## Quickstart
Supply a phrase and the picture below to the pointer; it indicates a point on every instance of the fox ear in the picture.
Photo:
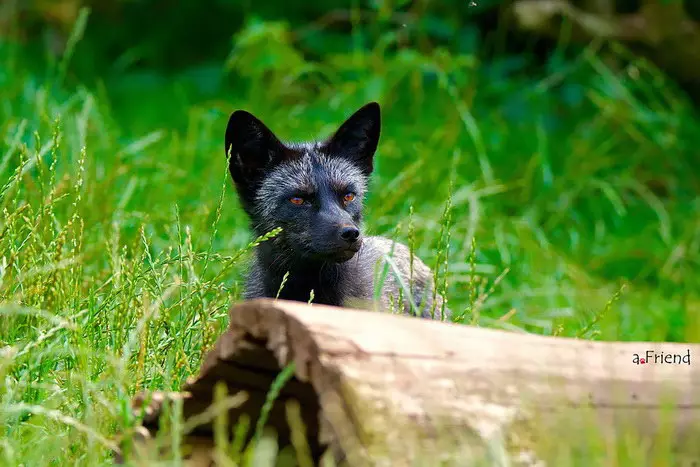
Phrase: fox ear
(357, 138)
(253, 148)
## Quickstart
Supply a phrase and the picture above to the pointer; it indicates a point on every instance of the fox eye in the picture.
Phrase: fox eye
(296, 200)
(348, 197)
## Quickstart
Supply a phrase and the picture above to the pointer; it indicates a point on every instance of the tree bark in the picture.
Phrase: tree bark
(380, 389)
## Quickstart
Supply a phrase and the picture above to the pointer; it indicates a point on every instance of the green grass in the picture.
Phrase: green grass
(122, 244)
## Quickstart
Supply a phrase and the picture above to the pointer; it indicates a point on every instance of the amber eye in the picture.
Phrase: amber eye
(348, 197)
(296, 200)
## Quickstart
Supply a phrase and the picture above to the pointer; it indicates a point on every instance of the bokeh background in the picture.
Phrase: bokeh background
(541, 155)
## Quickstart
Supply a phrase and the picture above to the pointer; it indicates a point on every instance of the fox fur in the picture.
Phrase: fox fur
(314, 192)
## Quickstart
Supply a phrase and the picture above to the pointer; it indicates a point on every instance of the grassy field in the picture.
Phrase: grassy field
(565, 201)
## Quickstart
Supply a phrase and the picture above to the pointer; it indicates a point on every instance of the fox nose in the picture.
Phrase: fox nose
(349, 233)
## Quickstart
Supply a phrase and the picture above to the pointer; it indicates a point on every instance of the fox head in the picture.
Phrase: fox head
(313, 191)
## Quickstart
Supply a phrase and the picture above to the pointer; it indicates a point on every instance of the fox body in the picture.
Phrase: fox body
(314, 192)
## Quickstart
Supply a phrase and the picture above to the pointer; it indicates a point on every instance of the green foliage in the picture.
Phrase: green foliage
(122, 246)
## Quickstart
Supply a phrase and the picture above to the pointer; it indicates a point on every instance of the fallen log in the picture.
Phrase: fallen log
(380, 389)
(661, 30)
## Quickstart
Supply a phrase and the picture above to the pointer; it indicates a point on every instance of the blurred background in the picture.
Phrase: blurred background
(544, 152)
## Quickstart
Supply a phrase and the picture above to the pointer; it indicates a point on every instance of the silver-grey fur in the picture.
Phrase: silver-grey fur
(314, 191)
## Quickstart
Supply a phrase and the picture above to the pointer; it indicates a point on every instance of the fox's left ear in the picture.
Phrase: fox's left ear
(357, 138)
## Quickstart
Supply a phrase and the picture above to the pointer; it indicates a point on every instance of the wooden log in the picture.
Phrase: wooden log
(380, 389)
(661, 30)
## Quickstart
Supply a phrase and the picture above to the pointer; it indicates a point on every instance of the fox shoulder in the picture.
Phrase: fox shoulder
(414, 273)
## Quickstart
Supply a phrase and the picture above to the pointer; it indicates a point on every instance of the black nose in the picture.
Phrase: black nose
(349, 233)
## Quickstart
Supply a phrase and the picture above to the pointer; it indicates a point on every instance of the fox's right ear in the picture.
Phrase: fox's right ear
(252, 148)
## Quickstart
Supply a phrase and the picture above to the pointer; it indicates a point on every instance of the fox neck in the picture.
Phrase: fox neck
(324, 278)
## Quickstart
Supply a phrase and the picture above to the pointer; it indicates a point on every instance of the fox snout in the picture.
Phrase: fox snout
(341, 243)
(349, 234)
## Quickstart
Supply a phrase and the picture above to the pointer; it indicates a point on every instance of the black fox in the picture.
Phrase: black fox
(314, 192)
